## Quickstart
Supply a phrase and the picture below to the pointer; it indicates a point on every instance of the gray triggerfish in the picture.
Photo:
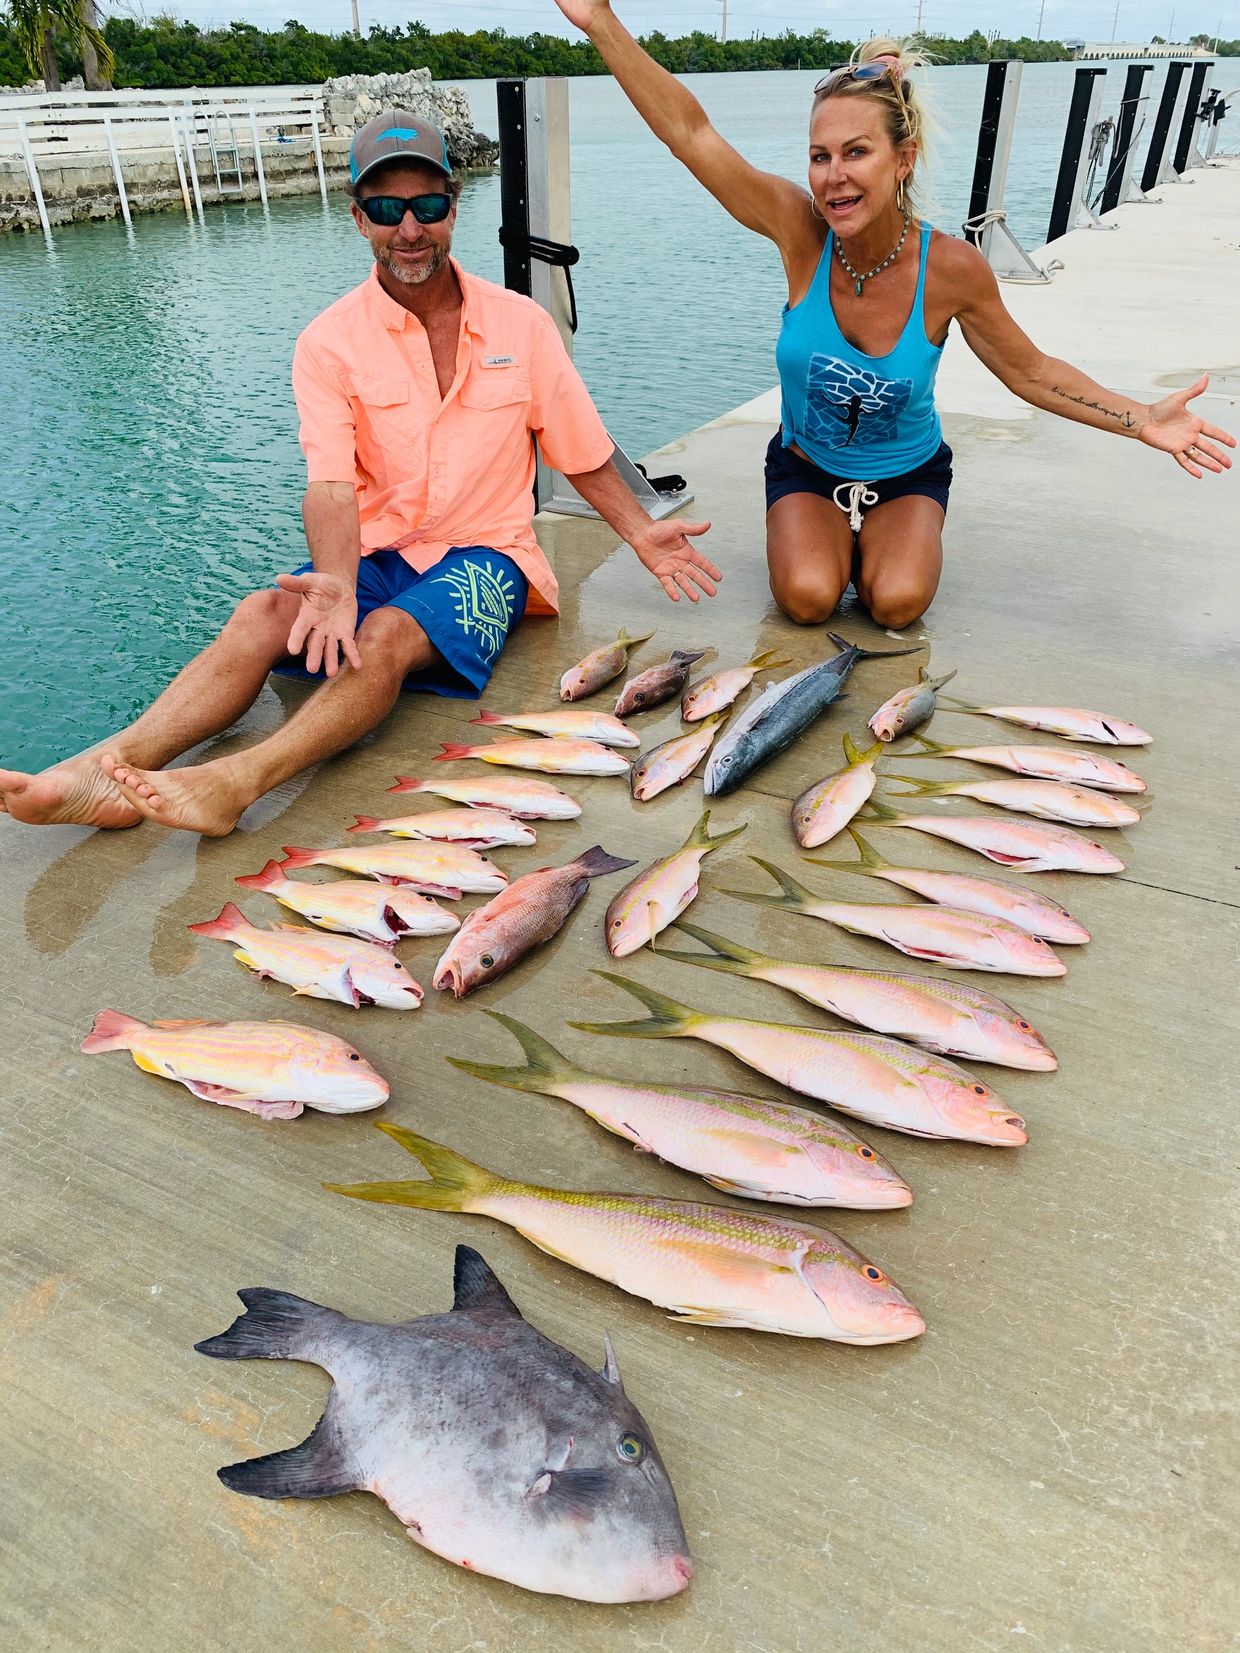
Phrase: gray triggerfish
(493, 1446)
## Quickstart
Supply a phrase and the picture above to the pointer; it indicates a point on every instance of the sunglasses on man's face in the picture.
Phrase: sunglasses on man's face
(389, 210)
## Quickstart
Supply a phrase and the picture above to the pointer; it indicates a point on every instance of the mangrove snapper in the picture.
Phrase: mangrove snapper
(527, 799)
(908, 709)
(492, 1446)
(358, 907)
(584, 725)
(1068, 721)
(1042, 763)
(657, 683)
(273, 1069)
(600, 666)
(661, 893)
(826, 807)
(717, 693)
(743, 1144)
(436, 869)
(710, 1264)
(674, 761)
(529, 912)
(552, 756)
(1026, 846)
(475, 828)
(315, 964)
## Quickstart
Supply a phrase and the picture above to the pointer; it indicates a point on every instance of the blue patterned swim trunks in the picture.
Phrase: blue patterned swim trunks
(466, 604)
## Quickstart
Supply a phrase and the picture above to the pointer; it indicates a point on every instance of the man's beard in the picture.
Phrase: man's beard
(413, 275)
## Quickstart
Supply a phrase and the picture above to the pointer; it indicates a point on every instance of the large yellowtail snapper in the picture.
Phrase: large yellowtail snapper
(1041, 763)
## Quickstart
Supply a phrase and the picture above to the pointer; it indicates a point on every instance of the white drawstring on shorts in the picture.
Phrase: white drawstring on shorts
(859, 494)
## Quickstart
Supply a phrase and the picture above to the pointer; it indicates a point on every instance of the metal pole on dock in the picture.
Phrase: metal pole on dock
(1153, 173)
(116, 169)
(32, 170)
(258, 159)
(1074, 159)
(318, 152)
(176, 152)
(1192, 107)
(1119, 185)
(986, 226)
(189, 122)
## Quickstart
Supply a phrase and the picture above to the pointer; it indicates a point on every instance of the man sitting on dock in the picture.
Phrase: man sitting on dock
(419, 393)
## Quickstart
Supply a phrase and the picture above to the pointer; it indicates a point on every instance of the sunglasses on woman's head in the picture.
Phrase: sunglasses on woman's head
(388, 210)
(874, 69)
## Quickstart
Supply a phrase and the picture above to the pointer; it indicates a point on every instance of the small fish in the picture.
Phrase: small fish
(583, 725)
(745, 1145)
(781, 712)
(436, 869)
(1048, 800)
(552, 757)
(712, 1265)
(882, 1080)
(1068, 721)
(825, 808)
(717, 693)
(657, 683)
(1035, 914)
(908, 709)
(314, 964)
(1026, 846)
(529, 912)
(674, 761)
(1042, 763)
(492, 1446)
(661, 893)
(528, 800)
(600, 666)
(953, 936)
(475, 828)
(951, 1018)
(358, 907)
(272, 1069)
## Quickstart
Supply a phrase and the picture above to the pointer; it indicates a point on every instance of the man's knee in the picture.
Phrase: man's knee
(808, 601)
(393, 642)
(264, 619)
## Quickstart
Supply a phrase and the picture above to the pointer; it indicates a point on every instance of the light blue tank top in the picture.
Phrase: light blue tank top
(854, 415)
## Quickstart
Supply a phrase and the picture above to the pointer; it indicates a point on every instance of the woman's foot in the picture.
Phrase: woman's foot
(204, 797)
(76, 792)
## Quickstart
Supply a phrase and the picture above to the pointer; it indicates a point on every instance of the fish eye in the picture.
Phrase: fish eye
(1023, 1026)
(639, 698)
(487, 960)
(979, 1090)
(354, 1057)
(874, 1274)
(630, 1449)
(616, 923)
(866, 1153)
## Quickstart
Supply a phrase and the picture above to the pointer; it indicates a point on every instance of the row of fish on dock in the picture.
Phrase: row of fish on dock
(593, 1515)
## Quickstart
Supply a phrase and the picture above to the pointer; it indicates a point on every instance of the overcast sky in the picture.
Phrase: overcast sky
(1063, 19)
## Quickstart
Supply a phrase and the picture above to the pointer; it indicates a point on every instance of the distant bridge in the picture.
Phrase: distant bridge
(1127, 48)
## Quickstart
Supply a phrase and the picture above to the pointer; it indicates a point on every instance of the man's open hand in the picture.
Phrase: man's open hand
(326, 621)
(678, 566)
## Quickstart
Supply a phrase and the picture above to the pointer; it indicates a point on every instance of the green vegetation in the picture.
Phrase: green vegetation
(166, 52)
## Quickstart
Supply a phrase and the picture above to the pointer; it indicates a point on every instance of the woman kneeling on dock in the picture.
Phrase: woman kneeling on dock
(858, 474)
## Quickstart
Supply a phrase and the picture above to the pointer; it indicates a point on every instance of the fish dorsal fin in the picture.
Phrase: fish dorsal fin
(188, 1021)
(611, 1367)
(476, 1287)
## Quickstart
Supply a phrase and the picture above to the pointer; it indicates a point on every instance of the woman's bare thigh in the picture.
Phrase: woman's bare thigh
(809, 550)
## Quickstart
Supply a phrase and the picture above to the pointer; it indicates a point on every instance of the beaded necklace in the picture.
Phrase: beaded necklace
(891, 257)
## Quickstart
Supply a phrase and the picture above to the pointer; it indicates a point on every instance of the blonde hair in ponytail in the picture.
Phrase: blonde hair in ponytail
(907, 118)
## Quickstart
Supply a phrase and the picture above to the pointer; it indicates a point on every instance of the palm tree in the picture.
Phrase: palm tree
(36, 22)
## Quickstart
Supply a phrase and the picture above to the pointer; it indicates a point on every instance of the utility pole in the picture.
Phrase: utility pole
(1115, 22)
(1041, 15)
(357, 22)
(723, 36)
(1171, 29)
(918, 28)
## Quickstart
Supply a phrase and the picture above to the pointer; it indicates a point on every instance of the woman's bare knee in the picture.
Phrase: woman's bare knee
(896, 607)
(808, 602)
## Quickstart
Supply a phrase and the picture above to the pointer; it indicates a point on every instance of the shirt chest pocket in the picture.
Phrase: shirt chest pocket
(388, 426)
(497, 387)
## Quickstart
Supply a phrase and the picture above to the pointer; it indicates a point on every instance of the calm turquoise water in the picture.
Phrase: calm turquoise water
(150, 472)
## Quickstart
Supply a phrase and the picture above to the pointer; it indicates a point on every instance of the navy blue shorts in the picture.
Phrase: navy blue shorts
(466, 604)
(788, 473)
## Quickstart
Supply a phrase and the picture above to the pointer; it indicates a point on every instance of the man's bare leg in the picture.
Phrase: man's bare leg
(211, 797)
(207, 696)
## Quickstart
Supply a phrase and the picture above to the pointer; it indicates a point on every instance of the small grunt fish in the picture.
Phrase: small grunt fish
(1035, 914)
(826, 807)
(1048, 800)
(711, 1264)
(317, 965)
(657, 683)
(528, 800)
(600, 666)
(882, 1080)
(359, 907)
(529, 912)
(584, 725)
(952, 936)
(908, 709)
(949, 1017)
(1042, 763)
(491, 1445)
(674, 761)
(717, 693)
(436, 869)
(273, 1069)
(1068, 721)
(1026, 846)
(552, 757)
(475, 828)
(743, 1144)
(661, 893)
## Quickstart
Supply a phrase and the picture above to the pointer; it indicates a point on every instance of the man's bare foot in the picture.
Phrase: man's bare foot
(203, 797)
(75, 792)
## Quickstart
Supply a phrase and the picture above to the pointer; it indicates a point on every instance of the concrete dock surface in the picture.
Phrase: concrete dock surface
(1053, 1466)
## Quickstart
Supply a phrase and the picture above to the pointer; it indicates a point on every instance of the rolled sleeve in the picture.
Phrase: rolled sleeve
(572, 437)
(328, 433)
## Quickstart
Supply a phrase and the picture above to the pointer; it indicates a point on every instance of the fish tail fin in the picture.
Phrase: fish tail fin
(456, 1183)
(933, 748)
(855, 757)
(668, 1019)
(872, 654)
(409, 783)
(543, 1062)
(700, 837)
(225, 927)
(628, 642)
(452, 749)
(294, 858)
(686, 657)
(728, 955)
(936, 683)
(487, 717)
(876, 811)
(270, 878)
(960, 705)
(928, 788)
(365, 823)
(595, 862)
(112, 1030)
(871, 861)
(275, 1326)
(767, 661)
(792, 894)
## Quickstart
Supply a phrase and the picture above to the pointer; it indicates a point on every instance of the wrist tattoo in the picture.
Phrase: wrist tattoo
(1124, 418)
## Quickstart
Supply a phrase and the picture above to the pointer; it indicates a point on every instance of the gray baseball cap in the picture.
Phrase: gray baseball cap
(396, 135)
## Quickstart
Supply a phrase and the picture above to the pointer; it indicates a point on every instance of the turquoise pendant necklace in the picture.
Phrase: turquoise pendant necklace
(859, 280)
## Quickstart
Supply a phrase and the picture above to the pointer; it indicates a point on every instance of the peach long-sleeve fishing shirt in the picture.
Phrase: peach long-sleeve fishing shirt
(434, 473)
